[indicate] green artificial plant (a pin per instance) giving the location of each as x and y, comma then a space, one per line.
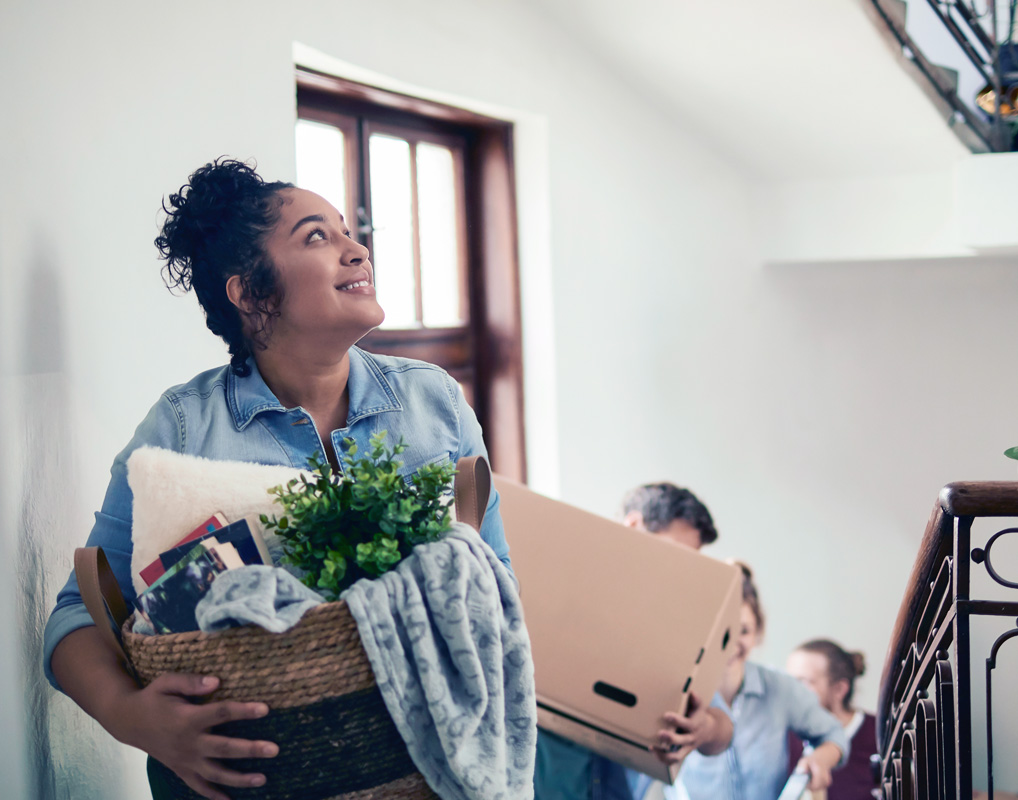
338, 527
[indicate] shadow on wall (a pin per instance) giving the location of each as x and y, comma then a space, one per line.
70, 756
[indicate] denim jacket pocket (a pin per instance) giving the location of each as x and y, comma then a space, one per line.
409, 468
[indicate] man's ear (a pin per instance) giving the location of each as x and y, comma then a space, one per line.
238, 295
633, 519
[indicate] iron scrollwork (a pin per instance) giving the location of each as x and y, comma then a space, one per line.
991, 663
944, 695
981, 555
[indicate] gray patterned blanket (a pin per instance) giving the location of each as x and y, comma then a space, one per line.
445, 636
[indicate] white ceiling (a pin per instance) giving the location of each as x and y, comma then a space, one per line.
789, 89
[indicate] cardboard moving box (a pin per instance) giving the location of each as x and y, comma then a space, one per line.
624, 625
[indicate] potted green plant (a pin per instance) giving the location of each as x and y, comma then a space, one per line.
338, 527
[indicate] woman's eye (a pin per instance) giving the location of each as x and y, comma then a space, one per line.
316, 235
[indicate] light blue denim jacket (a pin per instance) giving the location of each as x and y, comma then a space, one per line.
221, 416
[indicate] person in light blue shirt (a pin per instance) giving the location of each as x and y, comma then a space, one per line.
282, 281
765, 705
568, 771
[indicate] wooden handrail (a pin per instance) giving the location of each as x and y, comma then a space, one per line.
936, 543
980, 499
959, 499
927, 709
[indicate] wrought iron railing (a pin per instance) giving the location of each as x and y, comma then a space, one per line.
927, 708
983, 48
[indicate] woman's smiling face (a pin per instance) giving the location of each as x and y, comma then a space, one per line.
749, 635
326, 281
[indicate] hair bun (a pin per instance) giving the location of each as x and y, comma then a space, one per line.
196, 215
859, 663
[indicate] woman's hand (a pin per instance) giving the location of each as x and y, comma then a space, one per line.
819, 764
162, 720
819, 774
706, 729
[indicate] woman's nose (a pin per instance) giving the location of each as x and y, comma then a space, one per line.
354, 254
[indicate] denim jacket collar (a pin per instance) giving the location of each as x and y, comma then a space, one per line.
370, 392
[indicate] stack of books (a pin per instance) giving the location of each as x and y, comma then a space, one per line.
182, 575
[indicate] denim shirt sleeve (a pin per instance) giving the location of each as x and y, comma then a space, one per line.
112, 530
471, 443
813, 723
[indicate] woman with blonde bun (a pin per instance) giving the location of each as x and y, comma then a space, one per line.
830, 672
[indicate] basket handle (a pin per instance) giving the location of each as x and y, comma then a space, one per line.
102, 596
472, 488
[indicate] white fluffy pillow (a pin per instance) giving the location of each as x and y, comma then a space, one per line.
174, 493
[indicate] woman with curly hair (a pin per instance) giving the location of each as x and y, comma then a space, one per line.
291, 292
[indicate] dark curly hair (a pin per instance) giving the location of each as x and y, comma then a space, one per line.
660, 503
215, 227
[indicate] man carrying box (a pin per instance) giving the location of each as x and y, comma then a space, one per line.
568, 771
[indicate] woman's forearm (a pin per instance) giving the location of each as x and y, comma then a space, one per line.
162, 718
721, 733
91, 674
828, 754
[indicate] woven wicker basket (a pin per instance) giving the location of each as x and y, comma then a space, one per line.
336, 738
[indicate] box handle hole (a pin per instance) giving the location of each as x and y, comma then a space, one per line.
627, 699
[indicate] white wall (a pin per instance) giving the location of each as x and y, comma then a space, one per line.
963, 209
817, 410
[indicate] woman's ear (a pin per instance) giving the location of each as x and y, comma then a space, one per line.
840, 689
238, 295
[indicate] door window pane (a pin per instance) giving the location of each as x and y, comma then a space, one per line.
440, 243
392, 220
321, 163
